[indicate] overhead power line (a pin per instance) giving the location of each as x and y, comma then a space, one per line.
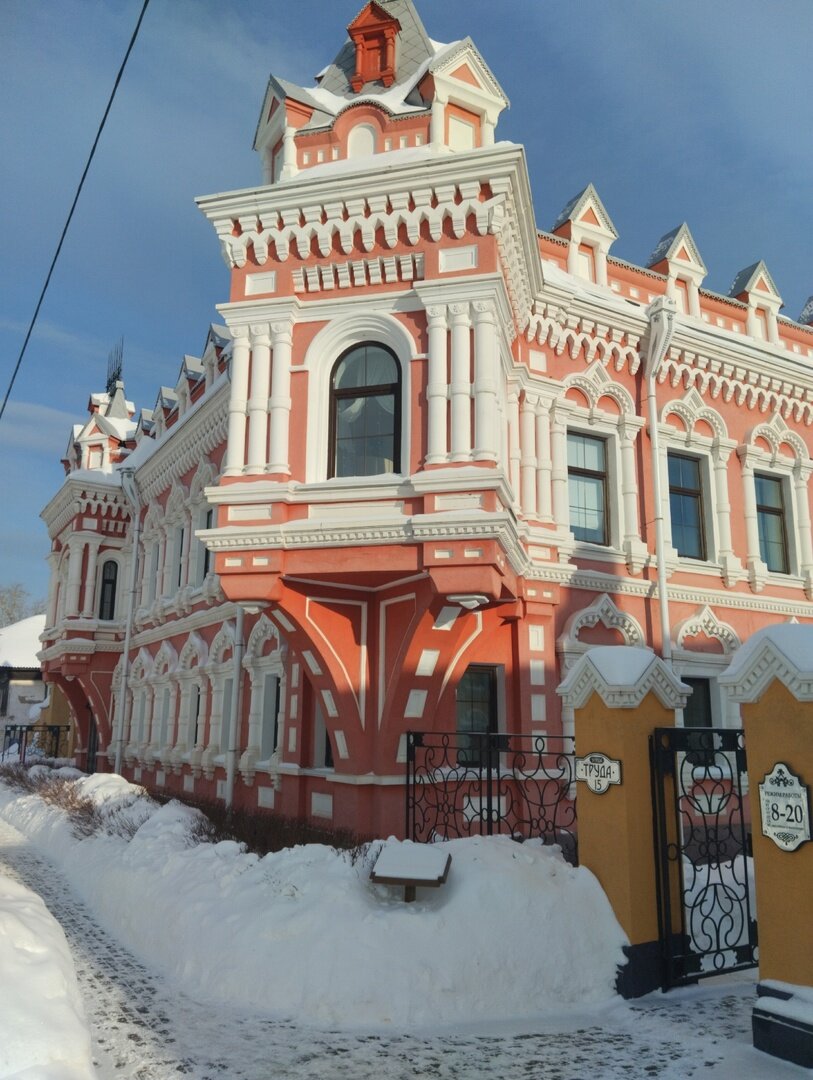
66, 226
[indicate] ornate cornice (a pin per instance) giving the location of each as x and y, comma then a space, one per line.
584, 338
185, 446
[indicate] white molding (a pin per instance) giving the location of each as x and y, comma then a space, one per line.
588, 676
772, 653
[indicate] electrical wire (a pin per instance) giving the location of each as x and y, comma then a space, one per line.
66, 226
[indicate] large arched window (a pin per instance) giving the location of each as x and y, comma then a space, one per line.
365, 413
107, 595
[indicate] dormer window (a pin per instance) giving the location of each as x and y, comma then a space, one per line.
586, 264
373, 33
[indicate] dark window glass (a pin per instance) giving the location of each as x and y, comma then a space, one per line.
773, 545
207, 524
107, 599
476, 702
697, 714
686, 506
587, 486
365, 413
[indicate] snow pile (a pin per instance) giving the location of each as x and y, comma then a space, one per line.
514, 932
44, 1033
20, 643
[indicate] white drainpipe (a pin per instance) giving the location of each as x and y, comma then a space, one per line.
661, 313
236, 709
130, 489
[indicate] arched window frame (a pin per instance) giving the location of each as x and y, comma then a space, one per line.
333, 341
368, 391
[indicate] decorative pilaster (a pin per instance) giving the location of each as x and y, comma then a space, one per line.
634, 548
280, 402
543, 461
53, 582
757, 570
561, 501
258, 401
89, 596
437, 389
238, 400
461, 382
437, 128
527, 463
485, 381
732, 567
77, 550
514, 453
801, 479
289, 166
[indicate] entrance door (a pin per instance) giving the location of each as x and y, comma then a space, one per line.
703, 863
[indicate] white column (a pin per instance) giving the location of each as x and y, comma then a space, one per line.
255, 712
257, 461
183, 714
53, 590
236, 445
289, 166
89, 594
720, 466
461, 383
486, 368
543, 462
488, 132
437, 126
561, 500
279, 405
437, 388
800, 482
77, 550
527, 464
629, 484
513, 442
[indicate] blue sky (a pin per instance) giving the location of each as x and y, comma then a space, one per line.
689, 111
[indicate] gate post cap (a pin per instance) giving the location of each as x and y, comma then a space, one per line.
622, 676
783, 652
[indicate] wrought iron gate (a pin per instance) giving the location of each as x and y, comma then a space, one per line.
703, 865
483, 783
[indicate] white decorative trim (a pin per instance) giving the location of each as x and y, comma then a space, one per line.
705, 622
586, 678
359, 274
602, 610
550, 325
772, 653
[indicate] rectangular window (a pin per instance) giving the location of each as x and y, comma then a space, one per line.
587, 486
225, 720
268, 736
179, 539
697, 714
205, 553
476, 704
686, 506
773, 540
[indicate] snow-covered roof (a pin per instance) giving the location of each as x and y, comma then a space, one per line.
577, 204
746, 279
622, 676
670, 244
783, 651
20, 643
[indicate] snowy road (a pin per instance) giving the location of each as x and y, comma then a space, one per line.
144, 1029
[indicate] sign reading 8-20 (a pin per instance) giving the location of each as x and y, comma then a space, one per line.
784, 804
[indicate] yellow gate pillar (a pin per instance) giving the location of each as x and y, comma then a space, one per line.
772, 678
619, 695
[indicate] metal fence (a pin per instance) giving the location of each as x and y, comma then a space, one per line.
21, 741
482, 783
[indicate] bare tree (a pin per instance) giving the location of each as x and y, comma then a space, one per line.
16, 603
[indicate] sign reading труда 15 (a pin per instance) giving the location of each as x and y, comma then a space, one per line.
598, 772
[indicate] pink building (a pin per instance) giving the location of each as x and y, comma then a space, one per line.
429, 456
